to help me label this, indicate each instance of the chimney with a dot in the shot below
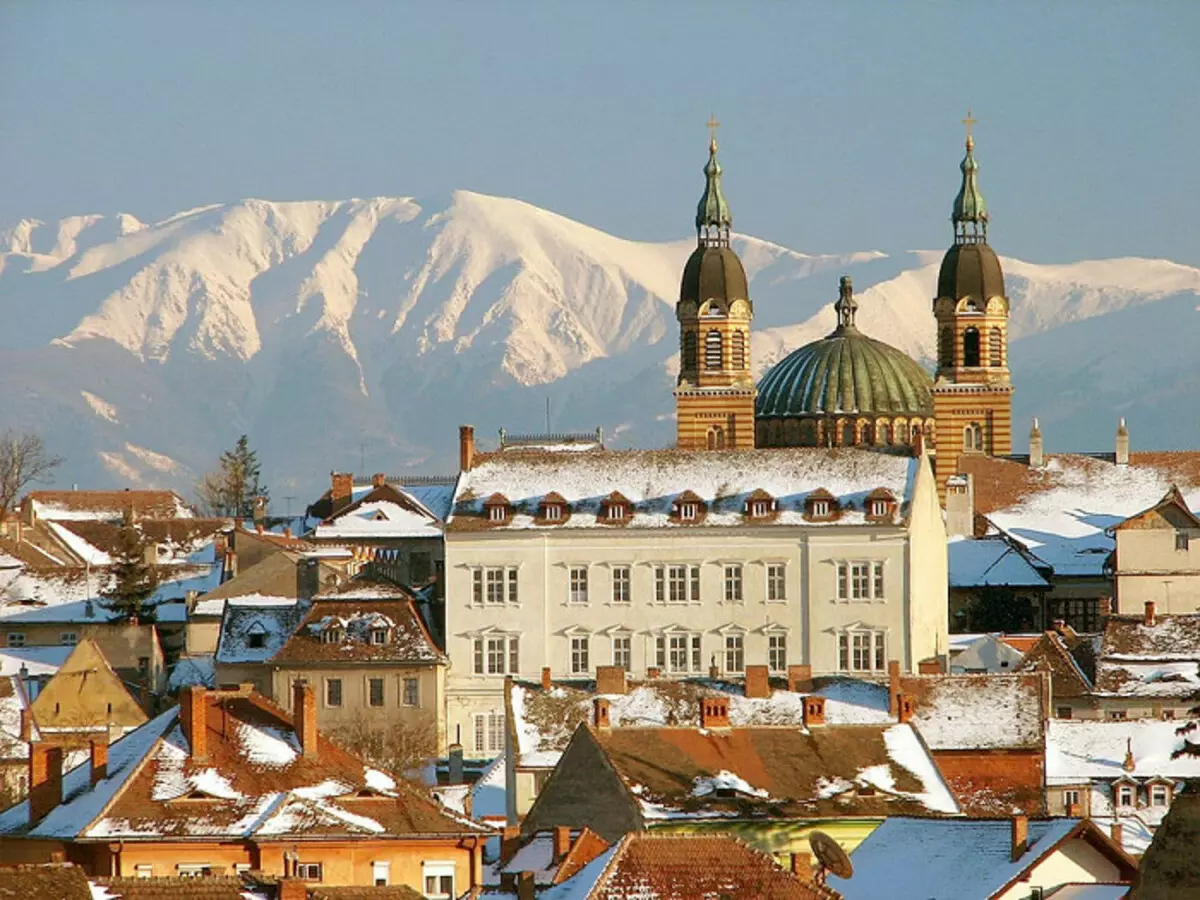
(893, 685)
(26, 725)
(800, 679)
(905, 707)
(1037, 451)
(562, 841)
(758, 683)
(1020, 836)
(292, 889)
(1122, 455)
(258, 527)
(1059, 626)
(1118, 834)
(45, 780)
(378, 480)
(99, 759)
(466, 447)
(230, 566)
(813, 710)
(1073, 810)
(1129, 763)
(802, 866)
(510, 842)
(454, 771)
(525, 886)
(547, 681)
(929, 667)
(287, 531)
(610, 680)
(193, 705)
(1150, 619)
(600, 712)
(341, 489)
(960, 505)
(304, 716)
(714, 712)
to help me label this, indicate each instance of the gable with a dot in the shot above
(86, 692)
(1076, 861)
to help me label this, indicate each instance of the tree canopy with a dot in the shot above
(233, 487)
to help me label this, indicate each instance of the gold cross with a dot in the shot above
(969, 121)
(713, 125)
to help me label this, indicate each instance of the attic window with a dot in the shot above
(1182, 541)
(687, 512)
(879, 508)
(379, 635)
(332, 635)
(820, 509)
(256, 636)
(497, 508)
(759, 509)
(497, 514)
(1124, 796)
(616, 512)
(552, 512)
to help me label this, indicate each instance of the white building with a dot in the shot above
(675, 563)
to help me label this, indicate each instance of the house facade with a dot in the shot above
(674, 564)
(1157, 558)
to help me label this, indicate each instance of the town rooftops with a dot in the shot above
(385, 512)
(1078, 750)
(230, 765)
(654, 481)
(966, 859)
(107, 505)
(1150, 655)
(1069, 658)
(977, 712)
(61, 881)
(1064, 510)
(255, 628)
(994, 561)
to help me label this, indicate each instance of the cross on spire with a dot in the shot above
(713, 125)
(970, 122)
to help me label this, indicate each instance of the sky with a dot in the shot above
(841, 122)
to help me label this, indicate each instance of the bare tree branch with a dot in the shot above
(24, 460)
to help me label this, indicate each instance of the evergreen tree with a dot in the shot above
(134, 578)
(232, 489)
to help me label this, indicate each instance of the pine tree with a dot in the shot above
(231, 490)
(134, 578)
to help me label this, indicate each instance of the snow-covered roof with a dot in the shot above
(35, 660)
(107, 505)
(382, 519)
(990, 562)
(986, 653)
(653, 479)
(254, 629)
(1078, 750)
(945, 859)
(193, 670)
(349, 628)
(1158, 660)
(978, 712)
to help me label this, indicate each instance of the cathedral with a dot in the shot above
(847, 389)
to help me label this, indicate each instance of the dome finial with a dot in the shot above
(713, 219)
(970, 215)
(846, 305)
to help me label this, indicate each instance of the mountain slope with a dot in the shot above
(359, 333)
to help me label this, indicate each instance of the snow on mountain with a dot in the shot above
(359, 333)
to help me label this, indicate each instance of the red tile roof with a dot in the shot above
(60, 881)
(149, 504)
(407, 641)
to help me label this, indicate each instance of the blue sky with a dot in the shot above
(841, 121)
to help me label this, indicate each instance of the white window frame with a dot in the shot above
(735, 653)
(497, 513)
(341, 693)
(760, 509)
(379, 636)
(577, 585)
(193, 870)
(484, 650)
(776, 584)
(855, 644)
(580, 653)
(68, 638)
(735, 583)
(676, 583)
(1070, 797)
(143, 870)
(777, 651)
(438, 870)
(381, 873)
(860, 580)
(1121, 791)
(622, 649)
(615, 512)
(488, 731)
(820, 509)
(1165, 790)
(306, 870)
(679, 652)
(552, 512)
(622, 585)
(688, 511)
(879, 508)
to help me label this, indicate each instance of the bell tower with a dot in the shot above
(972, 391)
(714, 395)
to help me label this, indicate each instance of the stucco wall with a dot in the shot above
(1076, 862)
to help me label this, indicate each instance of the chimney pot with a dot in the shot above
(304, 716)
(600, 712)
(905, 708)
(653, 672)
(1020, 836)
(562, 841)
(526, 890)
(813, 710)
(1118, 834)
(379, 479)
(341, 489)
(99, 759)
(714, 712)
(893, 685)
(1150, 618)
(466, 447)
(1122, 445)
(26, 725)
(758, 682)
(1037, 456)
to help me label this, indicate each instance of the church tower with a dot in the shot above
(714, 396)
(972, 392)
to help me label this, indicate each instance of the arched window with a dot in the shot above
(712, 350)
(868, 434)
(914, 432)
(739, 350)
(971, 347)
(689, 350)
(716, 438)
(848, 434)
(996, 347)
(946, 346)
(885, 434)
(973, 438)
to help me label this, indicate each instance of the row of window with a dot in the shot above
(714, 350)
(438, 877)
(680, 653)
(972, 355)
(677, 583)
(1125, 796)
(410, 692)
(65, 639)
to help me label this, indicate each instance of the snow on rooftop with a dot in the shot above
(905, 749)
(36, 660)
(193, 670)
(1081, 750)
(651, 480)
(254, 629)
(92, 556)
(990, 562)
(979, 712)
(381, 519)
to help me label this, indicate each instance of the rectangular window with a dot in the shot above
(439, 881)
(333, 692)
(553, 512)
(580, 645)
(877, 580)
(860, 581)
(733, 584)
(660, 584)
(677, 652)
(194, 870)
(660, 652)
(696, 656)
(777, 652)
(735, 655)
(1063, 712)
(497, 513)
(843, 581)
(495, 585)
(1125, 796)
(477, 587)
(1070, 797)
(375, 691)
(620, 577)
(622, 653)
(68, 638)
(776, 583)
(677, 583)
(412, 691)
(862, 651)
(579, 584)
(512, 584)
(381, 873)
(489, 732)
(1159, 796)
(143, 870)
(1117, 715)
(1181, 541)
(16, 639)
(694, 582)
(496, 655)
(844, 652)
(308, 871)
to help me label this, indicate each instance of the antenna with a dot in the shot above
(830, 856)
(547, 414)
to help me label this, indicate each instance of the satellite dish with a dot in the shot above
(830, 855)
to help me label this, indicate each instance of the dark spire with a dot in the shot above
(713, 219)
(846, 306)
(970, 215)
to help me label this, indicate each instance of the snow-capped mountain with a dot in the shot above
(358, 334)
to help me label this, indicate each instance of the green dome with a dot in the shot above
(846, 372)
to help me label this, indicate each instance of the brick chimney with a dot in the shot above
(1020, 836)
(929, 667)
(193, 705)
(26, 725)
(610, 680)
(918, 444)
(341, 489)
(905, 708)
(562, 841)
(466, 447)
(893, 685)
(292, 889)
(99, 758)
(45, 780)
(800, 679)
(600, 712)
(547, 681)
(379, 479)
(758, 682)
(813, 710)
(1122, 446)
(1037, 450)
(802, 866)
(304, 716)
(1118, 834)
(1150, 618)
(1106, 606)
(714, 712)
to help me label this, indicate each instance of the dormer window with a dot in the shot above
(497, 514)
(497, 509)
(379, 636)
(332, 635)
(1182, 541)
(879, 508)
(687, 512)
(553, 508)
(614, 509)
(256, 636)
(1125, 796)
(760, 505)
(552, 513)
(616, 512)
(820, 504)
(820, 509)
(688, 507)
(880, 504)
